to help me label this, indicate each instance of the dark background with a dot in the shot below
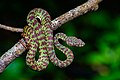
(99, 59)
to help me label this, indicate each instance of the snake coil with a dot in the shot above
(38, 35)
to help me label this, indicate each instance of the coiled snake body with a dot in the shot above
(39, 36)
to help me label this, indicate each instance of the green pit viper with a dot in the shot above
(38, 36)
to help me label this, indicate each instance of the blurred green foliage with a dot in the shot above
(99, 59)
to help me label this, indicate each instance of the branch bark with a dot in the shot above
(19, 47)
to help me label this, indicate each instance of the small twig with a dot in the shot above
(11, 28)
(19, 48)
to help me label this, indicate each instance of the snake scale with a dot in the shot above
(38, 36)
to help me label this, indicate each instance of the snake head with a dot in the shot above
(73, 41)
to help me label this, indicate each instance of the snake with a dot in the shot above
(38, 35)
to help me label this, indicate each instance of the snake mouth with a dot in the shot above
(82, 44)
(79, 43)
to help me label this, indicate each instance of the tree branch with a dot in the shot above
(19, 47)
